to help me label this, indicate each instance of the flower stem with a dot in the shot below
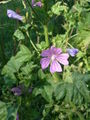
(32, 43)
(70, 45)
(55, 77)
(35, 12)
(46, 34)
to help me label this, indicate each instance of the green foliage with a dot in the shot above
(72, 91)
(46, 92)
(59, 40)
(15, 64)
(57, 9)
(12, 112)
(75, 92)
(3, 111)
(45, 96)
(7, 112)
(19, 35)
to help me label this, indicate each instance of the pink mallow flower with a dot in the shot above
(55, 58)
(34, 4)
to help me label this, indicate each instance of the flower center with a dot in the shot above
(53, 57)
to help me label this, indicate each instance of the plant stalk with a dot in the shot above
(34, 12)
(32, 43)
(46, 35)
(55, 77)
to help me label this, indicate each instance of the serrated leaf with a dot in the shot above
(3, 111)
(82, 89)
(58, 8)
(76, 91)
(12, 112)
(15, 63)
(7, 111)
(19, 35)
(46, 92)
(23, 55)
(83, 77)
(58, 40)
(28, 68)
(46, 109)
(60, 91)
(41, 74)
(69, 92)
(10, 68)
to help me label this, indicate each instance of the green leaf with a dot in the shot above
(19, 35)
(75, 91)
(41, 45)
(83, 77)
(47, 110)
(58, 40)
(3, 111)
(10, 68)
(12, 112)
(46, 92)
(15, 63)
(82, 89)
(58, 8)
(25, 28)
(69, 92)
(28, 68)
(60, 91)
(7, 111)
(41, 74)
(23, 55)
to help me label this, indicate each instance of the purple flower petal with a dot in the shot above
(14, 15)
(17, 91)
(72, 52)
(17, 118)
(63, 58)
(45, 53)
(45, 63)
(33, 2)
(55, 57)
(39, 4)
(55, 67)
(56, 50)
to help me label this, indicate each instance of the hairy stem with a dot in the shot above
(32, 43)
